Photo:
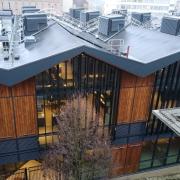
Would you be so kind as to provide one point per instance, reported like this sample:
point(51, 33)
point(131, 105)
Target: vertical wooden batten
point(18, 114)
point(134, 102)
point(125, 159)
point(7, 129)
point(134, 99)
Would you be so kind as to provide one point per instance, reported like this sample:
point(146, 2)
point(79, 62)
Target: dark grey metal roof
point(149, 52)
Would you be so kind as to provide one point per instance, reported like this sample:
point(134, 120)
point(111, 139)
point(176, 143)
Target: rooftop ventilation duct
point(29, 10)
point(29, 40)
point(141, 17)
point(111, 24)
point(6, 13)
point(120, 11)
point(28, 7)
point(75, 12)
point(34, 23)
point(170, 25)
point(86, 16)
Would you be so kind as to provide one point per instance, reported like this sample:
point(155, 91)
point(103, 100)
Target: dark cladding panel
point(29, 156)
point(26, 148)
point(137, 129)
point(129, 133)
point(8, 146)
point(13, 158)
point(28, 143)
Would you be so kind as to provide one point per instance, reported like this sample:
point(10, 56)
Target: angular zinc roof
point(149, 51)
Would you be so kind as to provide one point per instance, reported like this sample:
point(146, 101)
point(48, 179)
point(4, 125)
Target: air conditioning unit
point(111, 23)
point(141, 17)
point(86, 16)
point(75, 12)
point(34, 22)
point(170, 25)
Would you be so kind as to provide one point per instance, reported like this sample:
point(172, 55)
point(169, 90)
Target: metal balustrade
point(115, 46)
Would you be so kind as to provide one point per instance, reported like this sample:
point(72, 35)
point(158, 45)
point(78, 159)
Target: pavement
point(168, 173)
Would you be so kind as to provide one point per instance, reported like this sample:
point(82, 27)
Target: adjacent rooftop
point(137, 47)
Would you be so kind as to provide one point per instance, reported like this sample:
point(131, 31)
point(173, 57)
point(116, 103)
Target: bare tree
point(82, 151)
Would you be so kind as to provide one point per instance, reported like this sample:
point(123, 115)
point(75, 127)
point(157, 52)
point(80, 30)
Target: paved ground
point(170, 173)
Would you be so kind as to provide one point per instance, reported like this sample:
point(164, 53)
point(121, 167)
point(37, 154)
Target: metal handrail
point(115, 46)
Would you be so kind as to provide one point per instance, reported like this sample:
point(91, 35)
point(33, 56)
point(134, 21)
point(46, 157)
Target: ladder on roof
point(116, 46)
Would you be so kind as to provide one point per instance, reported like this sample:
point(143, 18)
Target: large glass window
point(160, 152)
point(96, 81)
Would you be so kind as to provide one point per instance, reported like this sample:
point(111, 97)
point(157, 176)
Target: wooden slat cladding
point(24, 88)
point(145, 81)
point(25, 115)
point(127, 80)
point(130, 80)
point(135, 97)
point(142, 99)
point(4, 91)
point(132, 158)
point(125, 159)
point(18, 110)
point(7, 129)
point(125, 105)
point(118, 160)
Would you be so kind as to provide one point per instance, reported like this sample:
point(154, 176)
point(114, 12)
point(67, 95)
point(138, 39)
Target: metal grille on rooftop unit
point(141, 17)
point(120, 11)
point(170, 25)
point(75, 12)
point(111, 24)
point(86, 16)
point(34, 23)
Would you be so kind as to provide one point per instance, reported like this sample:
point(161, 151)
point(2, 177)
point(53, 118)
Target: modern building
point(157, 7)
point(16, 5)
point(125, 72)
point(80, 3)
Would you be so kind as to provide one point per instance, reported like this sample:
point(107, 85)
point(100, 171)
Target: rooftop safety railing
point(116, 46)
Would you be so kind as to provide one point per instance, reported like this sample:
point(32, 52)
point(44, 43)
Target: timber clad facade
point(18, 110)
point(123, 101)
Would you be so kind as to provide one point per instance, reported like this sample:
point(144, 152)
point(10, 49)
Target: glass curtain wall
point(164, 146)
point(96, 81)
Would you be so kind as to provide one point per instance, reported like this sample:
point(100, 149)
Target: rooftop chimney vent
point(111, 24)
point(34, 22)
